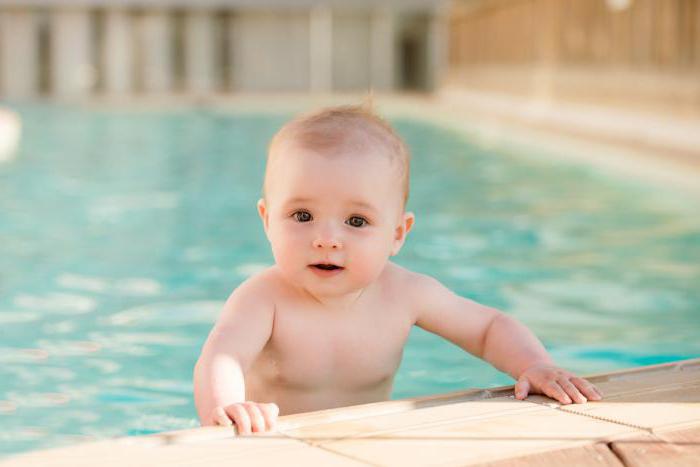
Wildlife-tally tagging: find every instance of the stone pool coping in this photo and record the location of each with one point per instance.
(649, 414)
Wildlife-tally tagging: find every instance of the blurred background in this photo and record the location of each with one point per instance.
(556, 176)
(586, 67)
(635, 53)
(87, 48)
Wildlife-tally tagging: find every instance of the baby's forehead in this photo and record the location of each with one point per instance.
(361, 180)
(289, 160)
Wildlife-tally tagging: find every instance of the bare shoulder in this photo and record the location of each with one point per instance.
(409, 281)
(414, 288)
(265, 281)
(256, 294)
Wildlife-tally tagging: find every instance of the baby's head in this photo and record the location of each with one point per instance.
(335, 191)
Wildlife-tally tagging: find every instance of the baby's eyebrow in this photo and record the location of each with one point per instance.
(364, 205)
(360, 204)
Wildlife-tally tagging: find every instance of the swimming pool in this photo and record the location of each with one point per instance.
(122, 233)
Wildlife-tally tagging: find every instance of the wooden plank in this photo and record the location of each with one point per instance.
(372, 425)
(598, 454)
(621, 31)
(660, 399)
(243, 450)
(676, 448)
(696, 34)
(643, 37)
(666, 32)
(685, 18)
(599, 33)
(648, 414)
(651, 378)
(491, 438)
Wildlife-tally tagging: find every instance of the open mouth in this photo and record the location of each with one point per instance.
(326, 267)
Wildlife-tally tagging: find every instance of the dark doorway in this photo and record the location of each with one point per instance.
(413, 55)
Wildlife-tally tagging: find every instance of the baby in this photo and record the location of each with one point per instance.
(326, 325)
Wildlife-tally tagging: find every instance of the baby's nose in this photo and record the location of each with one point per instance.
(327, 242)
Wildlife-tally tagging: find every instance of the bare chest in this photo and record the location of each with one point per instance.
(355, 351)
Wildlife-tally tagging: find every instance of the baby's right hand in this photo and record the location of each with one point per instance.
(249, 417)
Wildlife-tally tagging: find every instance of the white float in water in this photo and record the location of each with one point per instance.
(10, 129)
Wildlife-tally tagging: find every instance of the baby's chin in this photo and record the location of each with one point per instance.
(335, 286)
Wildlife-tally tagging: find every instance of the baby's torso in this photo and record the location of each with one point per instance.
(319, 358)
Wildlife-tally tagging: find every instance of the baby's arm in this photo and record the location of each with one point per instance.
(500, 340)
(241, 332)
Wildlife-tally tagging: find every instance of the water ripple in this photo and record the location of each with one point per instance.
(79, 282)
(111, 208)
(175, 314)
(15, 317)
(60, 303)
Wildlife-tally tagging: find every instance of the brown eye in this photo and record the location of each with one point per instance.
(356, 221)
(302, 216)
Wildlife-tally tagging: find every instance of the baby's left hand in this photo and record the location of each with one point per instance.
(556, 383)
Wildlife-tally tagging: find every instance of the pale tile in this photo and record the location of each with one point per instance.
(425, 417)
(480, 440)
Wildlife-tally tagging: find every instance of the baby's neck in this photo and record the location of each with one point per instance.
(338, 302)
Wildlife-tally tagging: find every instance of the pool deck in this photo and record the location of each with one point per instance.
(649, 416)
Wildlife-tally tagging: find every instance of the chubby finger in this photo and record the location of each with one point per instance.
(522, 388)
(220, 417)
(553, 390)
(588, 390)
(270, 412)
(240, 417)
(572, 391)
(257, 421)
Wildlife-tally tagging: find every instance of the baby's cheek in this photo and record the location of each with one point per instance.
(285, 250)
(370, 264)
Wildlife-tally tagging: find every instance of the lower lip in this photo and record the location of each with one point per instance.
(326, 272)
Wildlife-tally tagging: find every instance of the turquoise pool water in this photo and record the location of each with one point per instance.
(122, 233)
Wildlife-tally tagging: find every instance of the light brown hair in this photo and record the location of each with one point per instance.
(345, 130)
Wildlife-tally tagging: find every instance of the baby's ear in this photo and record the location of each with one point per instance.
(401, 231)
(262, 210)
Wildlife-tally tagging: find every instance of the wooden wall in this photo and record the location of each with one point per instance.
(580, 48)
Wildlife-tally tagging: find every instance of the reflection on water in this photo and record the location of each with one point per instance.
(121, 235)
